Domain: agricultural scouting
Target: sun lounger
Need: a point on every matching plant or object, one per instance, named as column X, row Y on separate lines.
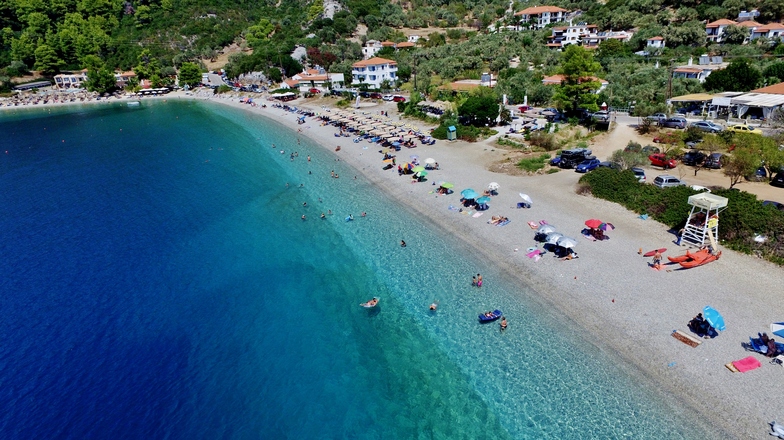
column 533, row 225
column 743, row 365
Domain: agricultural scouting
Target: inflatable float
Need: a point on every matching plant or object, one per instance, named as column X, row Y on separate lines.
column 689, row 260
column 490, row 316
column 688, row 256
column 653, row 252
column 370, row 304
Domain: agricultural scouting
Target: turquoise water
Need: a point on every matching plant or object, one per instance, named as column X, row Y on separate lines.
column 160, row 283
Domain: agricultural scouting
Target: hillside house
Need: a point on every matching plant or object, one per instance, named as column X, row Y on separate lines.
column 715, row 30
column 314, row 79
column 74, row 80
column 772, row 31
column 655, row 42
column 541, row 16
column 373, row 72
column 563, row 36
column 707, row 64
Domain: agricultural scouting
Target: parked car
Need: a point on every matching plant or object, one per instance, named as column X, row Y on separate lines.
column 693, row 157
column 549, row 109
column 524, row 108
column 657, row 117
column 760, row 175
column 587, row 165
column 639, row 173
column 608, row 164
column 387, row 97
column 676, row 122
column 778, row 179
column 571, row 158
column 314, row 90
column 744, row 128
column 667, row 181
column 700, row 188
column 602, row 117
column 707, row 126
column 777, row 205
column 650, row 149
column 660, row 160
column 375, row 95
column 555, row 161
column 399, row 98
column 714, row 161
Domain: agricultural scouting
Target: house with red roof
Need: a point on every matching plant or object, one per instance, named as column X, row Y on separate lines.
column 656, row 42
column 541, row 16
column 373, row 72
column 772, row 31
column 715, row 29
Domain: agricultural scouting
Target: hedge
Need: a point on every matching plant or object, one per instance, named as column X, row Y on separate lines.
column 744, row 218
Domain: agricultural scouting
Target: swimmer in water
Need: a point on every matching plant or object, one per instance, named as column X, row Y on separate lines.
column 434, row 306
column 303, row 216
column 323, row 216
column 402, row 243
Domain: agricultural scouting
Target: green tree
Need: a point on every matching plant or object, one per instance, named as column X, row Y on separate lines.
column 479, row 111
column 689, row 33
column 739, row 76
column 741, row 163
column 733, row 34
column 775, row 70
column 579, row 85
column 190, row 74
column 46, row 60
column 258, row 34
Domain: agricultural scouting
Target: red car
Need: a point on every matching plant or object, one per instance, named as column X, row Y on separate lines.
column 314, row 91
column 398, row 98
column 660, row 160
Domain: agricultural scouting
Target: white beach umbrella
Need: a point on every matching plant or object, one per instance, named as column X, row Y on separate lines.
column 545, row 229
column 553, row 237
column 566, row 242
column 527, row 198
column 493, row 186
column 430, row 161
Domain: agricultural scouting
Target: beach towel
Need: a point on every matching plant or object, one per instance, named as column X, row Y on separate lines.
column 686, row 338
column 452, row 208
column 503, row 223
column 542, row 222
column 589, row 237
column 744, row 365
column 533, row 225
column 478, row 214
column 534, row 253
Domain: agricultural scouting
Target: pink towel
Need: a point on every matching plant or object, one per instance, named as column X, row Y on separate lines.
column 533, row 253
column 747, row 364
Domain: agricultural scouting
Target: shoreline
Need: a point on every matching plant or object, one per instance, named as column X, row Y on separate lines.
column 699, row 375
column 602, row 292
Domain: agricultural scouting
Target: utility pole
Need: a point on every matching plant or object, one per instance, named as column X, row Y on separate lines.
column 669, row 81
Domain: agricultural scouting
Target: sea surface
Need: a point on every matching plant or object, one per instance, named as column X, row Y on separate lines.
column 157, row 281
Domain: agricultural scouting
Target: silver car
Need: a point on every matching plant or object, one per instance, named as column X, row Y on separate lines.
column 667, row 181
column 707, row 126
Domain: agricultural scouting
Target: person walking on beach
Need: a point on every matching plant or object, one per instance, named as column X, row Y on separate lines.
column 657, row 260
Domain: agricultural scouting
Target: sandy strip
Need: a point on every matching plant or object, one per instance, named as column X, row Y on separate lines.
column 610, row 291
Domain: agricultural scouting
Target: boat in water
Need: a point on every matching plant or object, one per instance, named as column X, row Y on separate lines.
column 489, row 316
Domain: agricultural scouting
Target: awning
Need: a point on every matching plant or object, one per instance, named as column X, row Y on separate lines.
column 693, row 97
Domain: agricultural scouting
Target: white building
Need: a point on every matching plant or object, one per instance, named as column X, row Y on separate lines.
column 715, row 30
column 772, row 31
column 541, row 16
column 73, row 80
column 374, row 71
column 371, row 48
column 655, row 42
column 565, row 35
column 317, row 79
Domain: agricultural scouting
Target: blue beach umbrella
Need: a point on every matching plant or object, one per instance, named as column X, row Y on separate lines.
column 483, row 200
column 714, row 318
column 468, row 195
column 467, row 190
column 777, row 328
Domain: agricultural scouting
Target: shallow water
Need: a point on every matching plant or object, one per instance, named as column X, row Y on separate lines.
column 159, row 282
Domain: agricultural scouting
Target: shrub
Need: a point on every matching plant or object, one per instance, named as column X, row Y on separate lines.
column 744, row 218
column 543, row 140
column 533, row 164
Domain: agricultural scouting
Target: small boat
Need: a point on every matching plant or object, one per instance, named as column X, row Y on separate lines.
column 370, row 304
column 133, row 103
column 707, row 258
column 490, row 316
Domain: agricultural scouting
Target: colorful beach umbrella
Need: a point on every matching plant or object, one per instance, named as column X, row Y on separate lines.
column 483, row 200
column 777, row 328
column 606, row 227
column 493, row 186
column 714, row 318
column 414, row 157
column 593, row 223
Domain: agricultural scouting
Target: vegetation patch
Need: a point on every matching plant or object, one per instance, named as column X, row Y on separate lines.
column 534, row 164
column 744, row 219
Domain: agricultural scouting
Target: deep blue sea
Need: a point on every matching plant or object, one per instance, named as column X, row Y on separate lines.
column 157, row 281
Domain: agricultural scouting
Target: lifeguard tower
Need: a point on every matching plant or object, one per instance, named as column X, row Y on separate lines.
column 703, row 220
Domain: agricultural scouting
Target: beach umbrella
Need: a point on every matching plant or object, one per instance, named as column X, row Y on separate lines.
column 566, row 242
column 714, row 318
column 421, row 173
column 553, row 237
column 430, row 161
column 418, row 168
column 467, row 190
column 468, row 195
column 777, row 328
column 545, row 229
column 414, row 157
column 493, row 186
column 447, row 185
column 527, row 198
column 593, row 223
column 606, row 227
column 483, row 200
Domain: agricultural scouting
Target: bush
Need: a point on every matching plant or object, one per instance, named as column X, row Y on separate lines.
column 533, row 164
column 543, row 140
column 744, row 218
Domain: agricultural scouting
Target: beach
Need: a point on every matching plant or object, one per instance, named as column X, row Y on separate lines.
column 609, row 291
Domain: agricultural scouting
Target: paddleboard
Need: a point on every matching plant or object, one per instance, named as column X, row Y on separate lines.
column 653, row 252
